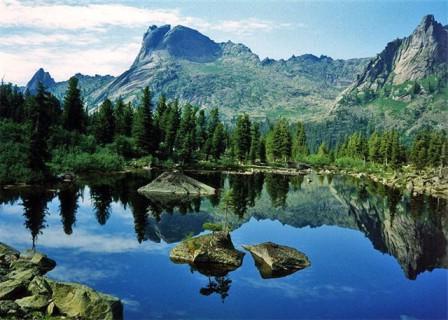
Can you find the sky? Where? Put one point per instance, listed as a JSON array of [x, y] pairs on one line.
[[103, 37]]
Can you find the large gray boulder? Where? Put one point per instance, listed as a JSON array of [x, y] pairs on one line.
[[274, 261], [176, 183], [213, 253]]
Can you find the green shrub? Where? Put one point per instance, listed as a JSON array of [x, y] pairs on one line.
[[212, 226], [318, 159], [102, 160]]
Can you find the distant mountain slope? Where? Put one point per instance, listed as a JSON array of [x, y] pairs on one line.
[[403, 87], [40, 76], [183, 63]]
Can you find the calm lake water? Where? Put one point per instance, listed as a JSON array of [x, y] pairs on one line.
[[374, 252]]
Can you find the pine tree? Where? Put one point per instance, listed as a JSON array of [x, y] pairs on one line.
[[105, 123], [120, 118], [213, 120], [280, 141], [374, 146], [74, 117], [171, 125], [255, 142], [218, 144], [142, 124], [39, 119], [185, 140], [242, 137], [262, 151], [300, 146]]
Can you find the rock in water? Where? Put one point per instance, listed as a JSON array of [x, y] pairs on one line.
[[274, 261], [178, 184], [213, 252]]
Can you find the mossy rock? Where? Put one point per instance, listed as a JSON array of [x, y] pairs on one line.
[[274, 261], [79, 301], [215, 250]]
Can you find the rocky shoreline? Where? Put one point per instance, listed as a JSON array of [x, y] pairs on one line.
[[429, 182], [25, 293]]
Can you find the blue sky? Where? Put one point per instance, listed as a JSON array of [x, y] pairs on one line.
[[103, 37]]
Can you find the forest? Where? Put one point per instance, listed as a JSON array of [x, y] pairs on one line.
[[41, 137]]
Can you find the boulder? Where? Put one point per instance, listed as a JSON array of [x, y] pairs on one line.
[[37, 302], [214, 252], [79, 301], [274, 261], [12, 289], [178, 184]]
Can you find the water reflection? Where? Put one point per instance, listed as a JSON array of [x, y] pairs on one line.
[[413, 229]]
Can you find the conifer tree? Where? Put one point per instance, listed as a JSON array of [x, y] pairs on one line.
[[218, 144], [300, 146], [242, 138], [171, 126], [120, 117], [74, 117], [142, 124], [106, 123], [255, 142], [39, 124]]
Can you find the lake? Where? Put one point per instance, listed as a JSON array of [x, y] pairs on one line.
[[375, 252]]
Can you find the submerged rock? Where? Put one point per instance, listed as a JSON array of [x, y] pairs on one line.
[[212, 254], [274, 261], [178, 184], [26, 294]]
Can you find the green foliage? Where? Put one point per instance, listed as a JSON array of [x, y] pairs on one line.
[[105, 123], [279, 142], [142, 124], [212, 226], [74, 117], [77, 161], [242, 138], [300, 146]]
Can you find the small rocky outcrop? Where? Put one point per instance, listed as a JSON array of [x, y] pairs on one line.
[[176, 183], [213, 253], [26, 294], [274, 261]]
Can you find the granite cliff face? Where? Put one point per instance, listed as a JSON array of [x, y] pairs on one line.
[[423, 53], [40, 76], [183, 63]]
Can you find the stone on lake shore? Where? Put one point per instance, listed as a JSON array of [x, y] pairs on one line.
[[212, 253], [178, 184], [274, 261], [26, 294]]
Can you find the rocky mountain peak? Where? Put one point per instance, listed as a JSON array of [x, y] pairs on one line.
[[179, 42], [421, 54], [40, 76]]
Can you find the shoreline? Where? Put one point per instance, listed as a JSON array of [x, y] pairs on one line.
[[428, 182]]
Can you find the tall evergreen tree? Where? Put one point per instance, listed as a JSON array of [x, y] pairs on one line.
[[218, 144], [242, 138], [255, 142], [74, 117], [142, 124], [300, 146], [106, 123]]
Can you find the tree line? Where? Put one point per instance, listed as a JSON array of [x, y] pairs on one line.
[[39, 135]]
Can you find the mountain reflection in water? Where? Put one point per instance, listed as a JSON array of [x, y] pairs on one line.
[[412, 229]]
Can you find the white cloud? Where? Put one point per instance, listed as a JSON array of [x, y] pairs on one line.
[[18, 68], [67, 38]]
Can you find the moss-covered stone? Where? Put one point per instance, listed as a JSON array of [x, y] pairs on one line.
[[273, 260], [214, 250]]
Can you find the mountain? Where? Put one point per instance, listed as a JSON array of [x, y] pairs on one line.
[[403, 87], [40, 76], [183, 63]]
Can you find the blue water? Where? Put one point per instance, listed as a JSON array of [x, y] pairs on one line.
[[355, 267]]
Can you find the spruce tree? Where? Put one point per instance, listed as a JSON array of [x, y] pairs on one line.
[[300, 147], [39, 124], [242, 138], [255, 142], [74, 117], [106, 123], [142, 124], [171, 126], [218, 144]]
